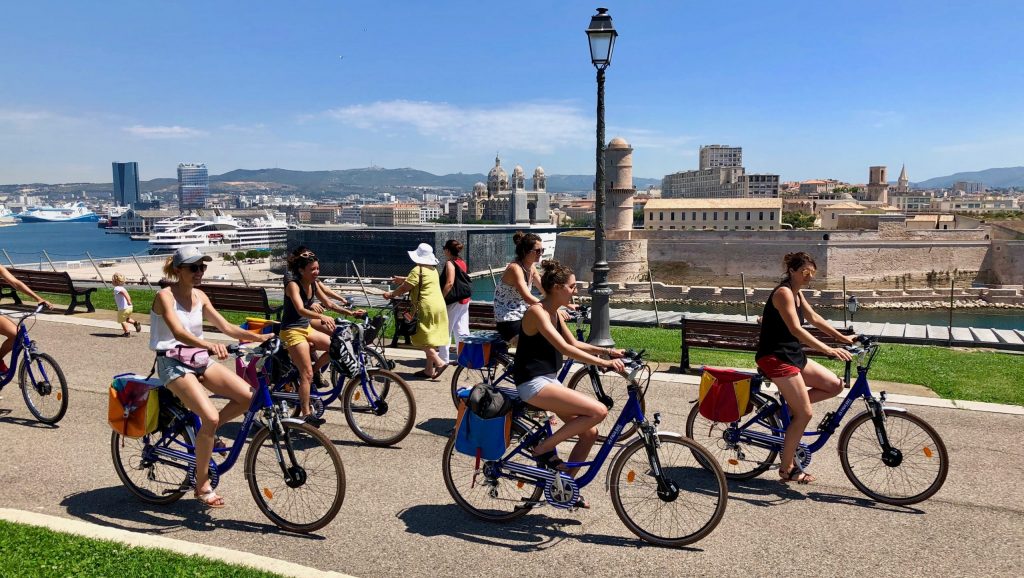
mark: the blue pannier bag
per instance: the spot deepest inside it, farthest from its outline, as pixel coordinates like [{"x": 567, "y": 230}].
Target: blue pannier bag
[{"x": 482, "y": 438}]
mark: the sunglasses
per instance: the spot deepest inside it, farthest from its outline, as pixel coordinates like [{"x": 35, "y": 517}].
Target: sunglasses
[
  {"x": 537, "y": 251},
  {"x": 194, "y": 267},
  {"x": 307, "y": 259}
]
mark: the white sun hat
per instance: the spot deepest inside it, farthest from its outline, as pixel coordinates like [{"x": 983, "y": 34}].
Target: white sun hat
[{"x": 423, "y": 255}]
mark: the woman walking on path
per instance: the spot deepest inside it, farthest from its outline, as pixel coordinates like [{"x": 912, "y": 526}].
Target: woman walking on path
[
  {"x": 123, "y": 301},
  {"x": 513, "y": 295},
  {"x": 7, "y": 327},
  {"x": 424, "y": 290},
  {"x": 458, "y": 311},
  {"x": 176, "y": 328},
  {"x": 780, "y": 356},
  {"x": 297, "y": 335}
]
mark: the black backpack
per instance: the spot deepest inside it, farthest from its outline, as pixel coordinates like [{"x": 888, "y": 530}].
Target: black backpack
[{"x": 461, "y": 289}]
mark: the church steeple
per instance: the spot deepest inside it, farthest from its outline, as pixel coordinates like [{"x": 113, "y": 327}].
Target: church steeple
[{"x": 903, "y": 183}]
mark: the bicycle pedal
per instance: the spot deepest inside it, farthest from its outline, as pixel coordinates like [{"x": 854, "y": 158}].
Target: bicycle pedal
[{"x": 825, "y": 421}]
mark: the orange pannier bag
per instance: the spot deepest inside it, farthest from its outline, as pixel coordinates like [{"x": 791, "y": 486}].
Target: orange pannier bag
[
  {"x": 725, "y": 394},
  {"x": 133, "y": 408}
]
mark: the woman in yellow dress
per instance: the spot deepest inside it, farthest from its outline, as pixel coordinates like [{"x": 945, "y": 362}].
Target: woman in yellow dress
[{"x": 424, "y": 290}]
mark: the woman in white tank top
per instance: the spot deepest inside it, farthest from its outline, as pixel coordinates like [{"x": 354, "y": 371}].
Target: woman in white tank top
[{"x": 176, "y": 320}]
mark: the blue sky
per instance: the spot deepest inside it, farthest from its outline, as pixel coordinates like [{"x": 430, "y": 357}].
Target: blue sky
[{"x": 809, "y": 89}]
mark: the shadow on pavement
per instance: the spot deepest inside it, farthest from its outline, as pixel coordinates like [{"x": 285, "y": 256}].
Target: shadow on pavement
[
  {"x": 118, "y": 335},
  {"x": 115, "y": 507},
  {"x": 6, "y": 418},
  {"x": 768, "y": 492},
  {"x": 533, "y": 532},
  {"x": 440, "y": 426}
]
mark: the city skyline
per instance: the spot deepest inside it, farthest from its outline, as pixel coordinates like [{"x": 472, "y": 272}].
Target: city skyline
[{"x": 820, "y": 91}]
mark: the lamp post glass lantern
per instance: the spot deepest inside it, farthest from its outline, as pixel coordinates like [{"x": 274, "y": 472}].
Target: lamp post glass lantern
[{"x": 601, "y": 35}]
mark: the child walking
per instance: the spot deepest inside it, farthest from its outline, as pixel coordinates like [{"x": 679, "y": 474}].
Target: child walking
[{"x": 124, "y": 306}]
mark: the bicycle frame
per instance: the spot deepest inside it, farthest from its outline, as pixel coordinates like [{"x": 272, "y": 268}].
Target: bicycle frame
[
  {"x": 566, "y": 365},
  {"x": 22, "y": 350},
  {"x": 861, "y": 390},
  {"x": 539, "y": 476},
  {"x": 261, "y": 401}
]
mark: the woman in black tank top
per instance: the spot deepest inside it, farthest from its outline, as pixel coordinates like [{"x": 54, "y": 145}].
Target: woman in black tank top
[
  {"x": 543, "y": 339},
  {"x": 780, "y": 355},
  {"x": 297, "y": 335}
]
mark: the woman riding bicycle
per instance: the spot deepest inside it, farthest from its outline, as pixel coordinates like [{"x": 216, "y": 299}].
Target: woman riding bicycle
[
  {"x": 7, "y": 327},
  {"x": 513, "y": 294},
  {"x": 334, "y": 301},
  {"x": 297, "y": 334},
  {"x": 176, "y": 322},
  {"x": 543, "y": 339},
  {"x": 780, "y": 356}
]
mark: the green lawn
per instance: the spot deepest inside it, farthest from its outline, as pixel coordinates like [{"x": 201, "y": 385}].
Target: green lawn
[
  {"x": 951, "y": 373},
  {"x": 31, "y": 551}
]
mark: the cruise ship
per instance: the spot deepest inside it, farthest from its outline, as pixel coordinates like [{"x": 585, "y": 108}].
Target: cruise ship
[
  {"x": 218, "y": 232},
  {"x": 70, "y": 213}
]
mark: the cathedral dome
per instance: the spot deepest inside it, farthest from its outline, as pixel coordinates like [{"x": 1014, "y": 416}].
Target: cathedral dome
[
  {"x": 618, "y": 143},
  {"x": 518, "y": 171},
  {"x": 538, "y": 171}
]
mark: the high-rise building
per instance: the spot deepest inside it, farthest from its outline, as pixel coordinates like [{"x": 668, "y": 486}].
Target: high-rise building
[
  {"x": 712, "y": 156},
  {"x": 969, "y": 187},
  {"x": 761, "y": 186},
  {"x": 126, "y": 183},
  {"x": 193, "y": 186}
]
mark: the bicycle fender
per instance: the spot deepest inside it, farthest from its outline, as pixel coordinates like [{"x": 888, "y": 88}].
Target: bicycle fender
[
  {"x": 608, "y": 472},
  {"x": 292, "y": 420}
]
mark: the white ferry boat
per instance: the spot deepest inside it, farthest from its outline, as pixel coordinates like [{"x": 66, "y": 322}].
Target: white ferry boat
[
  {"x": 218, "y": 232},
  {"x": 70, "y": 213}
]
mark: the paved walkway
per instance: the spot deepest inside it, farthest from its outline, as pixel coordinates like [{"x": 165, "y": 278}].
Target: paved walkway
[{"x": 399, "y": 519}]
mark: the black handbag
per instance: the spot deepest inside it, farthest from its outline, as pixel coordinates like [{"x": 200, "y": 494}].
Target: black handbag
[
  {"x": 406, "y": 323},
  {"x": 461, "y": 289}
]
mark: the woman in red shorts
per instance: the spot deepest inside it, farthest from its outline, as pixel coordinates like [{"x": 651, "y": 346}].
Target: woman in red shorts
[{"x": 780, "y": 355}]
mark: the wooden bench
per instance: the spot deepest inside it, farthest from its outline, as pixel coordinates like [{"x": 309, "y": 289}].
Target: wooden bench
[
  {"x": 49, "y": 282},
  {"x": 481, "y": 316},
  {"x": 737, "y": 335},
  {"x": 239, "y": 298}
]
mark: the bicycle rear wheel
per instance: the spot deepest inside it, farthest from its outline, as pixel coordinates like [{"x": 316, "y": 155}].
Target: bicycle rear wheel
[
  {"x": 466, "y": 378},
  {"x": 152, "y": 479},
  {"x": 44, "y": 388},
  {"x": 615, "y": 385},
  {"x": 740, "y": 460},
  {"x": 690, "y": 510},
  {"x": 914, "y": 475},
  {"x": 388, "y": 418},
  {"x": 492, "y": 499},
  {"x": 311, "y": 496}
]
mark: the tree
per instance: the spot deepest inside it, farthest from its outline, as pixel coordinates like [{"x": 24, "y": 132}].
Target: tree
[
  {"x": 239, "y": 255},
  {"x": 798, "y": 219}
]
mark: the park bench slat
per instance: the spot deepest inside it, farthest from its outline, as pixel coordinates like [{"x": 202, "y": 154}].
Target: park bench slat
[{"x": 49, "y": 282}]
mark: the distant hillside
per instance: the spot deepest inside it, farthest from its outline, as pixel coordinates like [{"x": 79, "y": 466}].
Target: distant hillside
[
  {"x": 993, "y": 178},
  {"x": 356, "y": 180}
]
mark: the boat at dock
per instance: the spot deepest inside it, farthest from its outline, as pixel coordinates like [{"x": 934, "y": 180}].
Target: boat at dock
[
  {"x": 217, "y": 232},
  {"x": 70, "y": 213}
]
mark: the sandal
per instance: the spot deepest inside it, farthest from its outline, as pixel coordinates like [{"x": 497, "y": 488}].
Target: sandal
[
  {"x": 219, "y": 447},
  {"x": 138, "y": 326},
  {"x": 438, "y": 373},
  {"x": 210, "y": 499},
  {"x": 126, "y": 334},
  {"x": 582, "y": 504},
  {"x": 551, "y": 461},
  {"x": 423, "y": 374},
  {"x": 314, "y": 421},
  {"x": 797, "y": 475}
]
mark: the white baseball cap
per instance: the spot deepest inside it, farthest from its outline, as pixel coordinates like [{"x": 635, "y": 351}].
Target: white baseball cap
[{"x": 187, "y": 255}]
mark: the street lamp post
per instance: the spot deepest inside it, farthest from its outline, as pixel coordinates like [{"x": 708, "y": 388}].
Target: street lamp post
[{"x": 601, "y": 34}]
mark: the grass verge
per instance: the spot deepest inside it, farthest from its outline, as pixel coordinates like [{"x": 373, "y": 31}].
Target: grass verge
[
  {"x": 32, "y": 551},
  {"x": 973, "y": 375}
]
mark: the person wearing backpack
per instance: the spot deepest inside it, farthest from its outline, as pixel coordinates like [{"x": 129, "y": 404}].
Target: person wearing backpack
[{"x": 457, "y": 290}]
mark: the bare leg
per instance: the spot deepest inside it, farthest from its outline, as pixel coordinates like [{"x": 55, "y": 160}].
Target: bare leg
[
  {"x": 580, "y": 413},
  {"x": 191, "y": 393},
  {"x": 8, "y": 330},
  {"x": 823, "y": 383},
  {"x": 299, "y": 354},
  {"x": 794, "y": 391}
]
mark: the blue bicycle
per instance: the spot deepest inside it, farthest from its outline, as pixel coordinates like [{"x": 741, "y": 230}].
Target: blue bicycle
[
  {"x": 500, "y": 370},
  {"x": 888, "y": 453},
  {"x": 660, "y": 487},
  {"x": 379, "y": 405},
  {"x": 41, "y": 380},
  {"x": 294, "y": 472}
]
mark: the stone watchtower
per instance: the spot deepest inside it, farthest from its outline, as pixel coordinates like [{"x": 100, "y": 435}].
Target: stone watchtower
[
  {"x": 626, "y": 256},
  {"x": 618, "y": 162}
]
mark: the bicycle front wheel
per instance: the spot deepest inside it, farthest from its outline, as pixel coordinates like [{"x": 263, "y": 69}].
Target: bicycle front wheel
[
  {"x": 151, "y": 479},
  {"x": 740, "y": 460},
  {"x": 685, "y": 508},
  {"x": 488, "y": 498},
  {"x": 913, "y": 473},
  {"x": 44, "y": 388},
  {"x": 309, "y": 497},
  {"x": 615, "y": 385},
  {"x": 466, "y": 378},
  {"x": 382, "y": 413}
]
